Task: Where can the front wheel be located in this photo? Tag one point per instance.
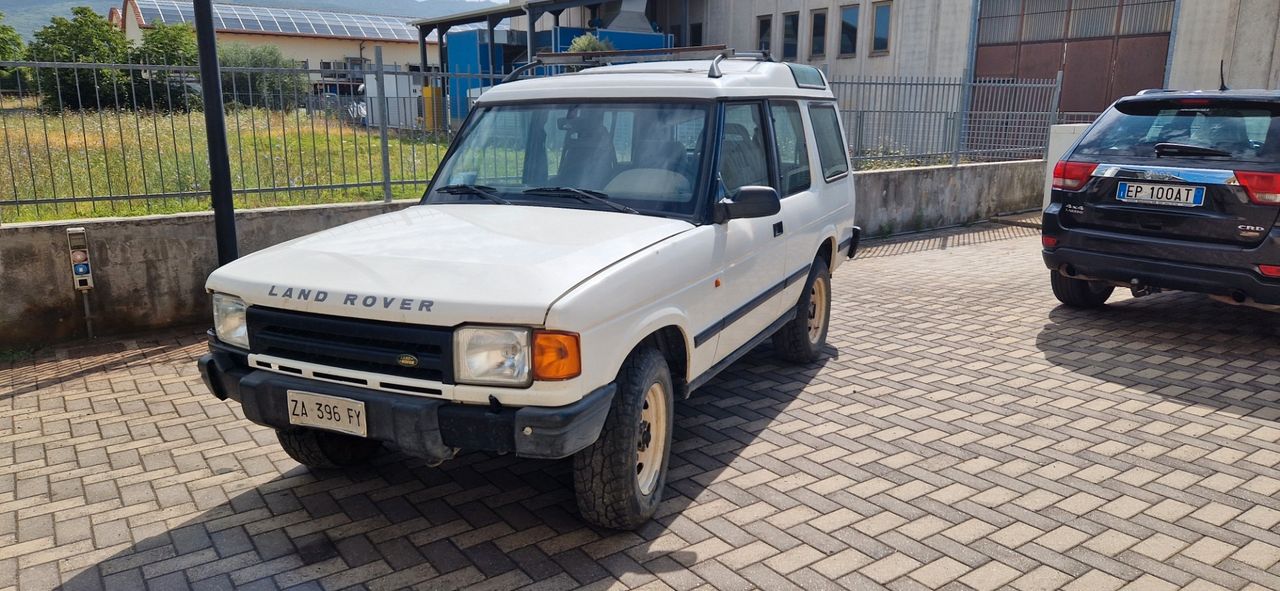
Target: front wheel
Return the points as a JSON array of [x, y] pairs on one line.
[[1079, 293], [801, 339], [618, 480]]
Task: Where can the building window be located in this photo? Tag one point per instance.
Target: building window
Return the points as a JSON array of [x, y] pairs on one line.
[[818, 34], [790, 35], [849, 30], [695, 34], [764, 33], [880, 33]]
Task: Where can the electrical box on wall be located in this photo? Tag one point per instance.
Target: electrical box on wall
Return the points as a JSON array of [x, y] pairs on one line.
[[81, 266]]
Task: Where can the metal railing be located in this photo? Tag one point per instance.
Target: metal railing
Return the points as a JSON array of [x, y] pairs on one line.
[[87, 140], [912, 121]]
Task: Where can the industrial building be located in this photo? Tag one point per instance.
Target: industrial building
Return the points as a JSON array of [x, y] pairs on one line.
[[1104, 48], [315, 38]]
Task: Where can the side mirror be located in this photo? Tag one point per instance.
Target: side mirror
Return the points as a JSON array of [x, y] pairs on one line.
[[749, 202]]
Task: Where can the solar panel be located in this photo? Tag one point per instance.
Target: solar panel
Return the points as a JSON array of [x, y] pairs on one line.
[[260, 19]]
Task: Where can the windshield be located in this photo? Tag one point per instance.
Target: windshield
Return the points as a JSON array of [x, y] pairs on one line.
[[644, 157], [1247, 131]]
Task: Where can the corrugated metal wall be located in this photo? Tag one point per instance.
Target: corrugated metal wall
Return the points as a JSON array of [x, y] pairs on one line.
[[1105, 48]]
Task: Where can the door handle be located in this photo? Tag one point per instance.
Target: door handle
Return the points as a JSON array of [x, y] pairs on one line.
[[777, 229]]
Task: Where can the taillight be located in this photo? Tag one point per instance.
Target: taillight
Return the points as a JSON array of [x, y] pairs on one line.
[[1263, 187], [1071, 176], [1049, 242], [1269, 270]]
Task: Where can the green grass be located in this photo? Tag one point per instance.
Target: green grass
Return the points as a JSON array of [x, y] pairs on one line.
[[92, 153]]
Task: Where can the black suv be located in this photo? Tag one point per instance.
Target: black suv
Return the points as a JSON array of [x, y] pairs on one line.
[[1170, 190]]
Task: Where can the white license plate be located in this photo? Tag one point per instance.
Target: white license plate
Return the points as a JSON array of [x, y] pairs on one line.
[[1181, 196], [327, 412]]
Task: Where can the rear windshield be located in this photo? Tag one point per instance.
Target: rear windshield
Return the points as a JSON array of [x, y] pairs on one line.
[[1248, 130]]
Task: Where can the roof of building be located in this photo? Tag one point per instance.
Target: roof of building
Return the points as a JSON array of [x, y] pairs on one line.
[[664, 79], [237, 18]]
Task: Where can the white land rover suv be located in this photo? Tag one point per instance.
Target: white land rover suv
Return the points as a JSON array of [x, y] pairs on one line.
[[594, 246]]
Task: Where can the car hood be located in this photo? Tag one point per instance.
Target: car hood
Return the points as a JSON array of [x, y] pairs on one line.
[[443, 265]]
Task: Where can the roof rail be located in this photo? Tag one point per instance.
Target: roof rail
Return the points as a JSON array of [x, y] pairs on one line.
[[716, 53], [714, 70], [1146, 91]]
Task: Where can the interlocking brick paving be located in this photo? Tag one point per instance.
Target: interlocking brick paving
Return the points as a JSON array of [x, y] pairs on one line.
[[964, 432]]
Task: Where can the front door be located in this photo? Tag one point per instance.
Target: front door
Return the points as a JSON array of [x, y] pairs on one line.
[[753, 249]]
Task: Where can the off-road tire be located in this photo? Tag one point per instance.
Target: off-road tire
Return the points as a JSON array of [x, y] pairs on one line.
[[1079, 293], [605, 473], [793, 342], [326, 449]]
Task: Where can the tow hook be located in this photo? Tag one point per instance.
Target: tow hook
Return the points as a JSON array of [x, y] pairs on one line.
[[1139, 289]]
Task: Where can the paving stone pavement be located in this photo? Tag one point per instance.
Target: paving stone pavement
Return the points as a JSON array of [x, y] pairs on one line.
[[964, 432]]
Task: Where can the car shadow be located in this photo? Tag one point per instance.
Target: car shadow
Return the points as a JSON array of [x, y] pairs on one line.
[[1183, 346], [479, 517]]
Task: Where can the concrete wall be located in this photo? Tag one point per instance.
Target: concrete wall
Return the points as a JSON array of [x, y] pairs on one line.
[[1244, 35], [149, 271], [906, 199]]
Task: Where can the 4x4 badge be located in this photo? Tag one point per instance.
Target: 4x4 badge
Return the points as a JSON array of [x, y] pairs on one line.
[[407, 360]]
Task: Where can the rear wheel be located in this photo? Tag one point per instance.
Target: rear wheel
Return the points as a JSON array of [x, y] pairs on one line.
[[1079, 293], [326, 449], [618, 480], [801, 339]]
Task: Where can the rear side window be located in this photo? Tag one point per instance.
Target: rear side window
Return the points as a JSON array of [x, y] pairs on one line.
[[826, 132], [1248, 130], [793, 154]]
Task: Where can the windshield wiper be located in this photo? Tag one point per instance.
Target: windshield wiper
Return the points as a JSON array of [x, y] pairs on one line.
[[481, 190], [586, 195], [1189, 150]]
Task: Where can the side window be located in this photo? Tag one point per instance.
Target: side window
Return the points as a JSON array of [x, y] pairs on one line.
[[793, 154], [743, 160], [832, 154]]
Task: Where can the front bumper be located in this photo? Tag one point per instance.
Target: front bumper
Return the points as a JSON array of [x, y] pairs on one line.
[[423, 427]]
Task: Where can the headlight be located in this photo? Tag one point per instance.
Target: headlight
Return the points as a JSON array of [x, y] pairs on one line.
[[491, 356], [229, 320]]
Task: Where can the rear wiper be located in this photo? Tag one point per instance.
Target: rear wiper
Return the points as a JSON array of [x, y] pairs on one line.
[[1189, 150], [582, 194], [481, 190]]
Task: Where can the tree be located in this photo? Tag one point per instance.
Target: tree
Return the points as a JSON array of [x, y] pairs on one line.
[[272, 90], [163, 88], [168, 45], [87, 37], [11, 49], [589, 43]]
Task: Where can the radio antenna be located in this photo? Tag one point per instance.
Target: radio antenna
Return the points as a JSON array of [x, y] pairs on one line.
[[1222, 75]]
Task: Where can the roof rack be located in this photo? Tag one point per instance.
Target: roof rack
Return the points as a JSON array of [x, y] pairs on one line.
[[717, 54]]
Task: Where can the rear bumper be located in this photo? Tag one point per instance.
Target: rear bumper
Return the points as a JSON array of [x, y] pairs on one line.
[[423, 427], [1211, 269], [1163, 274]]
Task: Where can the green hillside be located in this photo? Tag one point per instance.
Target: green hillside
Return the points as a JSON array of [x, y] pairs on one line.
[[29, 15]]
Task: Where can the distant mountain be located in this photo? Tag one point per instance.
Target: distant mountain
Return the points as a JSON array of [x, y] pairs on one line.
[[29, 15]]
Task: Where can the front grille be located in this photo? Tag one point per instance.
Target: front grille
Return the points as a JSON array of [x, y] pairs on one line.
[[348, 343]]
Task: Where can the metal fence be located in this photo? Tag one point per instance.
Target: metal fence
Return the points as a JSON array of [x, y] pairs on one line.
[[909, 121], [87, 140]]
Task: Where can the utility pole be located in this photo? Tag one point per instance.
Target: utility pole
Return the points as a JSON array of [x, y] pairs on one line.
[[215, 127]]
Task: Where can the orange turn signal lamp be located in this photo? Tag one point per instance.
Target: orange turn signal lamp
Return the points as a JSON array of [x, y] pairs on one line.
[[556, 355]]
